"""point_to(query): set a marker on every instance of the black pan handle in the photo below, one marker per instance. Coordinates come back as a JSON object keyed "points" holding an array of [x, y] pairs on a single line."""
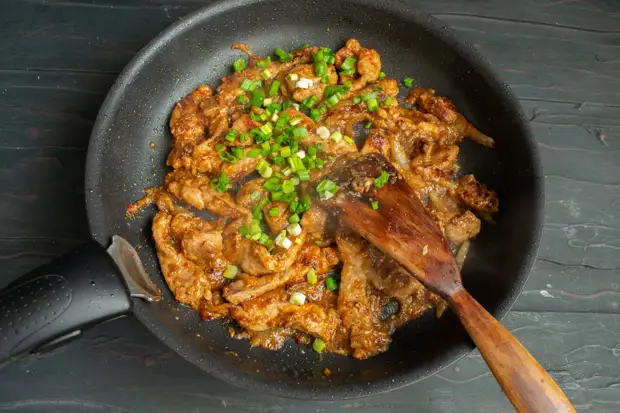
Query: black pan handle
{"points": [[57, 301]]}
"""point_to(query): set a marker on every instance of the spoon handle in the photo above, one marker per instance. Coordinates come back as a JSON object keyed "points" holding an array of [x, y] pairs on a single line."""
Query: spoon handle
{"points": [[526, 384]]}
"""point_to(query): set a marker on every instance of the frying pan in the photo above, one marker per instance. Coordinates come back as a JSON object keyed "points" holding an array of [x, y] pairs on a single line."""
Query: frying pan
{"points": [[128, 147]]}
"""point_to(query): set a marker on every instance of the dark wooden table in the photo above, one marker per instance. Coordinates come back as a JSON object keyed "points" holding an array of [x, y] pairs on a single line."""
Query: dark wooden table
{"points": [[58, 59]]}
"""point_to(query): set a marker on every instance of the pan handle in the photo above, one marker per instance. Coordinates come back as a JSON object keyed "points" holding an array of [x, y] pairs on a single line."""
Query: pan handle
{"points": [[55, 302]]}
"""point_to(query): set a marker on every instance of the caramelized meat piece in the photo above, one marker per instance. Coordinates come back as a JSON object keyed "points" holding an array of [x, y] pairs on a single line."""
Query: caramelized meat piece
{"points": [[212, 170], [273, 310], [367, 336], [476, 195]]}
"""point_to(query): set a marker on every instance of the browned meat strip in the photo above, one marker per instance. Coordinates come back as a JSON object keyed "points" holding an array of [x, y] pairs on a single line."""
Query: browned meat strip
{"points": [[476, 195], [366, 335]]}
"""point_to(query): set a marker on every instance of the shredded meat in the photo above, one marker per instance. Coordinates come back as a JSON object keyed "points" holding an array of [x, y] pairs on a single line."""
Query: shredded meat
{"points": [[272, 258]]}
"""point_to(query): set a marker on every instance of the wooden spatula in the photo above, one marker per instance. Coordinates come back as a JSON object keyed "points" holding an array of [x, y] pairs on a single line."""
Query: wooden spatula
{"points": [[402, 228]]}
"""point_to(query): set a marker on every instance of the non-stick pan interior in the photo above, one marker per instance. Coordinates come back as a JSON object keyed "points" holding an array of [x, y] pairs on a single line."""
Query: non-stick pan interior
{"points": [[123, 160]]}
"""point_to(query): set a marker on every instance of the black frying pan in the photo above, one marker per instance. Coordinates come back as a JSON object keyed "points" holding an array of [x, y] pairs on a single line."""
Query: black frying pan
{"points": [[85, 288]]}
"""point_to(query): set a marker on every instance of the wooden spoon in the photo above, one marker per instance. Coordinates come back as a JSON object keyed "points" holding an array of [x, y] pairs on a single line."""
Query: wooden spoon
{"points": [[403, 229]]}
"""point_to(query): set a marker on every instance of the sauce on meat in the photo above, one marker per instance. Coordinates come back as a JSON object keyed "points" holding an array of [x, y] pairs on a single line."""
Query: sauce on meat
{"points": [[277, 263]]}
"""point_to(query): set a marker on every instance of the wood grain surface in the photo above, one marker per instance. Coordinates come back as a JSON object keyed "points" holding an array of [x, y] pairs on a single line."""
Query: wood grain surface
{"points": [[562, 59]]}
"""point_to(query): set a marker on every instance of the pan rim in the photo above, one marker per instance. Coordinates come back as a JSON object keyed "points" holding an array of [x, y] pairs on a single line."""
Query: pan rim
{"points": [[439, 29]]}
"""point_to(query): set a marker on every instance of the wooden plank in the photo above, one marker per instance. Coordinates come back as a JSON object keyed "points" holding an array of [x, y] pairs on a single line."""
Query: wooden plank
{"points": [[122, 367], [49, 109], [42, 194]]}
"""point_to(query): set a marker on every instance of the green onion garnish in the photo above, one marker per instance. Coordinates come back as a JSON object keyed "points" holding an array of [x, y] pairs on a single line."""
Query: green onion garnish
{"points": [[282, 121], [242, 99], [230, 272], [347, 139], [331, 284], [284, 56], [247, 85], [408, 82], [382, 179], [239, 64], [311, 277], [315, 114], [258, 96], [231, 135], [295, 121], [274, 212], [261, 64], [381, 75], [372, 105], [274, 88], [265, 74], [368, 125], [221, 185], [293, 219], [333, 100], [368, 96], [303, 175], [349, 63], [288, 186], [388, 101], [318, 345], [320, 68], [357, 100], [300, 132], [236, 152], [267, 128], [254, 195], [310, 101], [374, 205], [253, 153], [285, 151]]}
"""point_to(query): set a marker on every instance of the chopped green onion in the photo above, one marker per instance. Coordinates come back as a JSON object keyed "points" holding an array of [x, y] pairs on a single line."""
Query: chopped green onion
{"points": [[327, 185], [292, 77], [310, 101], [221, 185], [227, 157], [331, 284], [408, 82], [333, 100], [258, 96], [315, 114], [374, 205], [230, 272], [265, 74], [381, 75], [372, 105], [349, 63], [274, 107], [245, 231], [303, 175], [368, 96], [320, 68], [288, 187], [253, 153], [278, 160], [293, 219], [267, 128], [311, 277], [231, 135], [284, 56], [349, 72], [368, 125], [274, 88], [331, 60], [325, 79], [294, 229], [336, 136], [236, 152], [274, 212], [388, 101], [300, 132], [238, 64], [285, 151], [295, 121], [303, 46], [261, 64], [305, 202], [272, 185], [247, 85], [382, 179], [347, 139], [264, 169], [263, 116], [297, 298], [282, 121], [357, 100], [242, 99], [254, 195], [318, 345]]}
